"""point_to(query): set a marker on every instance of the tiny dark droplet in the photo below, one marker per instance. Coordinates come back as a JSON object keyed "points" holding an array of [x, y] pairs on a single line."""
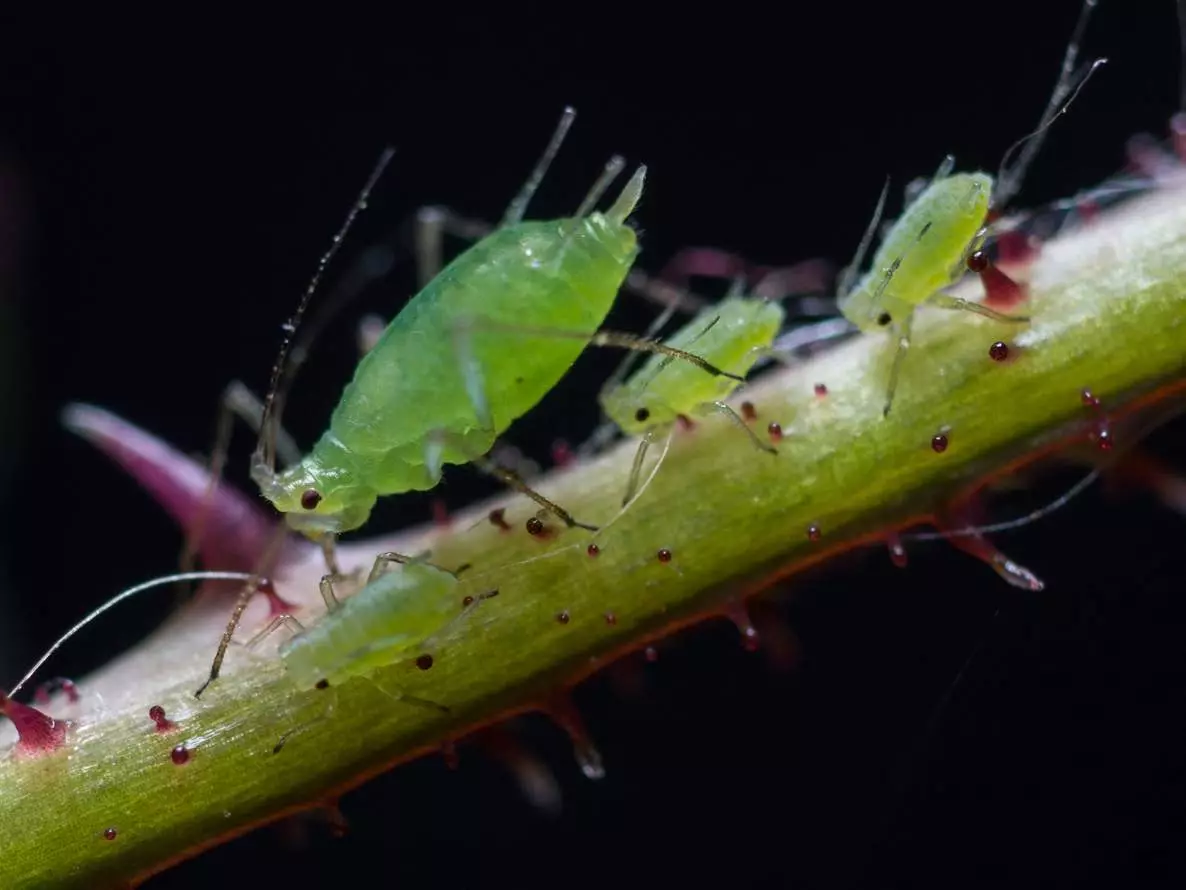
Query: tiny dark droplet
{"points": [[611, 618], [179, 755], [813, 532], [535, 526], [664, 555], [593, 550], [424, 662], [821, 389], [748, 411], [563, 617], [939, 443], [999, 351], [775, 431], [110, 834]]}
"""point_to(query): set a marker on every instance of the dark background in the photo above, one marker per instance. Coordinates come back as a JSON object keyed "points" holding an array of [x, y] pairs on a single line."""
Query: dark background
{"points": [[178, 181]]}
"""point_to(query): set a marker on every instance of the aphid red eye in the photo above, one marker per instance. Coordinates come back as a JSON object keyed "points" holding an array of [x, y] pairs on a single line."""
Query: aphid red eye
{"points": [[978, 261], [310, 499], [641, 415], [884, 318]]}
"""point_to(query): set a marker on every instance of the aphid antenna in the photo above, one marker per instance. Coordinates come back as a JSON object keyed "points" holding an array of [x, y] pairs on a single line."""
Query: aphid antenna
{"points": [[518, 207], [1069, 82], [854, 268], [115, 601], [372, 264], [1033, 516], [263, 460]]}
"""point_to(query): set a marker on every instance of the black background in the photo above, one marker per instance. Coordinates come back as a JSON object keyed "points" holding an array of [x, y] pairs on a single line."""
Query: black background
{"points": [[182, 177]]}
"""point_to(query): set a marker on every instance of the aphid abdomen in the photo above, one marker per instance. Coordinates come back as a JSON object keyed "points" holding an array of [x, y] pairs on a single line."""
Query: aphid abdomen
{"points": [[539, 274], [922, 249], [375, 627]]}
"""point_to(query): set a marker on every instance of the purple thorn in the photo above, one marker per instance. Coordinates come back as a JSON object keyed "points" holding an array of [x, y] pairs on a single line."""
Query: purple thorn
{"points": [[236, 533]]}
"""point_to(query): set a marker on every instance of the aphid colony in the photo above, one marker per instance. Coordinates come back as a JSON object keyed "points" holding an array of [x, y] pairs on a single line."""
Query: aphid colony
{"points": [[439, 384]]}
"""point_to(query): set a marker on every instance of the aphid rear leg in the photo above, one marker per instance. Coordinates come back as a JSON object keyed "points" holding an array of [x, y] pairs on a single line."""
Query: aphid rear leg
{"points": [[723, 408], [946, 301], [902, 331], [434, 448], [636, 466], [383, 560], [274, 625]]}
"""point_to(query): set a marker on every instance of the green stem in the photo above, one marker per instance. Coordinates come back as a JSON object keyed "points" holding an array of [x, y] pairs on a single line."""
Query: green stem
{"points": [[1109, 314]]}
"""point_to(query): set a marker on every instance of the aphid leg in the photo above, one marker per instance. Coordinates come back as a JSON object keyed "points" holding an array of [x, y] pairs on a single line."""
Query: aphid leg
{"points": [[294, 626], [902, 331], [383, 560], [432, 459], [326, 587], [432, 224], [236, 401], [370, 329], [723, 408], [946, 301], [636, 467], [395, 695], [329, 548]]}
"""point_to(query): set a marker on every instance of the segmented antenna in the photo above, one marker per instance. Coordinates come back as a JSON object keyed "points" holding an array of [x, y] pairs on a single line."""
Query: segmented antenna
{"points": [[853, 269], [119, 598], [518, 206], [263, 461], [1009, 181]]}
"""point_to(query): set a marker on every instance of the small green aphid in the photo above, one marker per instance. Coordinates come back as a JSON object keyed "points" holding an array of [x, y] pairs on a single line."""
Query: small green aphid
{"points": [[393, 617], [941, 233], [733, 333]]}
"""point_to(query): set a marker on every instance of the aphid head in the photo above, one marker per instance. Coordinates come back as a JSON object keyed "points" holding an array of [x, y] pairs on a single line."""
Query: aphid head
{"points": [[316, 500], [636, 409]]}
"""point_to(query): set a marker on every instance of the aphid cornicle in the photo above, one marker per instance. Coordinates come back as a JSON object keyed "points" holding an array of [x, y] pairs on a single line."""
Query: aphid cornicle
{"points": [[941, 233]]}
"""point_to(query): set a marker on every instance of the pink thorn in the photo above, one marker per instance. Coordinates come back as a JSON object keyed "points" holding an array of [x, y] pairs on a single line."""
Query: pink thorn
{"points": [[702, 262], [564, 714], [237, 532], [739, 615], [968, 514], [38, 733]]}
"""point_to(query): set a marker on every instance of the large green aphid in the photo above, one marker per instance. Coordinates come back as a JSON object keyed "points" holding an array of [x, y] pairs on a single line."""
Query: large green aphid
{"points": [[475, 349], [941, 233]]}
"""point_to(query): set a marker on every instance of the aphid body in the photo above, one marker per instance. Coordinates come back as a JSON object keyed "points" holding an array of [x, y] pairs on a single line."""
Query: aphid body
{"points": [[394, 613], [732, 334], [436, 391], [925, 250]]}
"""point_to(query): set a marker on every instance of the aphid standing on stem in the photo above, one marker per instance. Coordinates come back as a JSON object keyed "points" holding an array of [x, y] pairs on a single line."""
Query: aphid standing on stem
{"points": [[395, 614], [734, 334], [942, 231]]}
